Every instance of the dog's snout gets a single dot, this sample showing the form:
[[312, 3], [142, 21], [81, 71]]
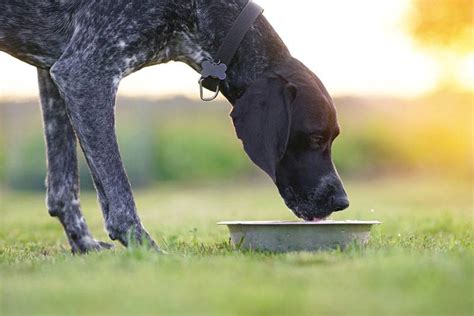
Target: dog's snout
[[340, 203]]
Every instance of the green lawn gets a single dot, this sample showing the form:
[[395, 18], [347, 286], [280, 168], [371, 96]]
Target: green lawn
[[419, 262]]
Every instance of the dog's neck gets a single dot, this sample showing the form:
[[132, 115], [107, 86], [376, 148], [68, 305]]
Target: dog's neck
[[209, 23]]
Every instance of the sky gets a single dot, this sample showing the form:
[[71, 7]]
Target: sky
[[356, 48]]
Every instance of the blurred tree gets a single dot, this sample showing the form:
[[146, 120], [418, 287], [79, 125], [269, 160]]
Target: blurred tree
[[446, 29], [443, 24]]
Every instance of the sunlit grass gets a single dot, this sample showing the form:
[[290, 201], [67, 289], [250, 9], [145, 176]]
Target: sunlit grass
[[419, 261]]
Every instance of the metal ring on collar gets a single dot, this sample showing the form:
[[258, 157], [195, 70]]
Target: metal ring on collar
[[201, 89]]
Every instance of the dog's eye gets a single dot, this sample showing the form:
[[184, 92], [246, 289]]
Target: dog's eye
[[315, 141]]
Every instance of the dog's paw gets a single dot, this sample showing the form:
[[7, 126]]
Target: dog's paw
[[88, 244], [133, 236], [142, 239], [104, 245], [153, 246]]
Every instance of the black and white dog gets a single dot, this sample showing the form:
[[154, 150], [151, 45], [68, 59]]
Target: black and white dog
[[83, 48]]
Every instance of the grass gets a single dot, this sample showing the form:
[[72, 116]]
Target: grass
[[419, 262]]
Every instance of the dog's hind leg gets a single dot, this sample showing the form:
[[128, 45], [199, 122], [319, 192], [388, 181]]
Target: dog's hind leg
[[63, 179]]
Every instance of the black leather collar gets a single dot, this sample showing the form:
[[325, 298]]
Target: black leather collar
[[214, 71]]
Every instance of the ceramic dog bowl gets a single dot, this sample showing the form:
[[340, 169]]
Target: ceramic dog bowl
[[281, 236]]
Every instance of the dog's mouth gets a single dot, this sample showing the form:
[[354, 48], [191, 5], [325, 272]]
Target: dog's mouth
[[318, 219], [306, 211], [311, 211]]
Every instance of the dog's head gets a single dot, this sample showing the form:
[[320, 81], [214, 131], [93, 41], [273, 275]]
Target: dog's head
[[287, 123]]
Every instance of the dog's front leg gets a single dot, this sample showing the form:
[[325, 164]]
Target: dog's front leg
[[89, 91], [63, 179]]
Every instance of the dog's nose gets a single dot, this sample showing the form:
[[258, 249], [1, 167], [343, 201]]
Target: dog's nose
[[340, 203]]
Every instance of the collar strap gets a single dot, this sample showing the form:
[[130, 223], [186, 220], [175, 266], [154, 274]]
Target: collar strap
[[214, 71]]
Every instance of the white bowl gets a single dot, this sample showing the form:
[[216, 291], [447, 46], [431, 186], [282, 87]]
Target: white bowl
[[281, 236]]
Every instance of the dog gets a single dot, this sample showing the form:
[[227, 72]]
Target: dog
[[82, 49]]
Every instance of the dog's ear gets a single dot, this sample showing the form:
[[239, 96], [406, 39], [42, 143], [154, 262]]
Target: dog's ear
[[262, 120]]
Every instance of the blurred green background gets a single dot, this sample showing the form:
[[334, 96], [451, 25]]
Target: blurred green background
[[182, 140]]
